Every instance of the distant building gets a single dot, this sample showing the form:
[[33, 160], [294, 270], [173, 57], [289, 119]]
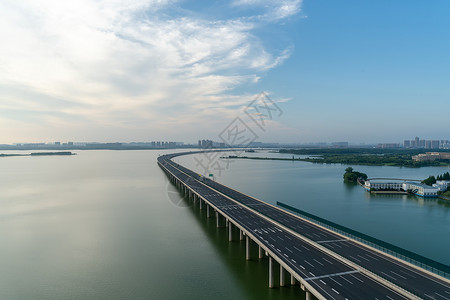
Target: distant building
[[431, 156], [388, 145]]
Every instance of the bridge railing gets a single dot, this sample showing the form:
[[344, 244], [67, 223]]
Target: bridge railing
[[411, 257]]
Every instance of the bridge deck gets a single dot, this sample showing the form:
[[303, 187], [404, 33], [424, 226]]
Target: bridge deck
[[296, 243]]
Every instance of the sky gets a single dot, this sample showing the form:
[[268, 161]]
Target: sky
[[142, 70]]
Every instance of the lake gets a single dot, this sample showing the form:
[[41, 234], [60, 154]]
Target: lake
[[108, 225]]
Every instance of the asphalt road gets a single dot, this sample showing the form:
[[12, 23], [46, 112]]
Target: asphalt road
[[333, 278], [409, 278]]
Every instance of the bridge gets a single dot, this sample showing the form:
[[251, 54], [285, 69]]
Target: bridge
[[324, 263]]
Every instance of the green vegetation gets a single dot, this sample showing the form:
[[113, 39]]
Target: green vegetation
[[445, 176], [352, 176], [364, 156], [432, 180]]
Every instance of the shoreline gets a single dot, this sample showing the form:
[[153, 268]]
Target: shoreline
[[318, 161]]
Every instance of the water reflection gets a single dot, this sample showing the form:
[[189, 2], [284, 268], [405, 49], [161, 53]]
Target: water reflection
[[410, 198]]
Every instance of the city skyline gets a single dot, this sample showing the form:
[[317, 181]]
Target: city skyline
[[139, 70]]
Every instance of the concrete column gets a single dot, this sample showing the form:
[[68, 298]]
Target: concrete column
[[230, 232], [201, 203], [282, 279], [308, 295], [241, 235], [270, 273], [217, 219], [247, 247], [226, 223], [260, 252], [293, 280], [207, 211]]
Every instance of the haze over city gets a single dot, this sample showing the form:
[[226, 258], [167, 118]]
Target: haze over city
[[155, 70]]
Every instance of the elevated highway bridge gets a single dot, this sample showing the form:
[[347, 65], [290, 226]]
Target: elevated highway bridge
[[324, 263]]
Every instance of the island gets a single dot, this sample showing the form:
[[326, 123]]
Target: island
[[351, 176], [38, 154]]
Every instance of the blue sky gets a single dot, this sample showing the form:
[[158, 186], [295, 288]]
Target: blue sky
[[140, 70]]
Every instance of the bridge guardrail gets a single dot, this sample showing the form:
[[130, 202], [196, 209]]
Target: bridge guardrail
[[411, 257]]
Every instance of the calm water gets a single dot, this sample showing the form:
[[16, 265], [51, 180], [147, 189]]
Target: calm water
[[107, 225], [421, 226], [100, 225]]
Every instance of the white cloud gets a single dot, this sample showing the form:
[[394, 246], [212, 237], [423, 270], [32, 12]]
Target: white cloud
[[122, 64], [272, 10]]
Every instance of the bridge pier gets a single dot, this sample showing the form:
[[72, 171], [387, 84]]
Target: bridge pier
[[201, 203], [282, 278], [241, 235], [271, 285], [230, 232], [247, 247], [226, 222], [260, 252], [293, 280], [308, 295], [208, 215], [217, 219]]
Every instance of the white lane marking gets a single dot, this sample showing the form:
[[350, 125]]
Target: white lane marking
[[302, 267], [329, 295], [309, 263], [322, 281], [398, 275], [335, 291], [346, 280], [441, 295], [357, 278], [408, 274], [354, 258], [327, 260], [372, 257], [297, 249], [289, 250], [335, 281], [389, 276], [401, 265], [389, 297], [306, 248], [312, 274], [363, 257], [317, 261]]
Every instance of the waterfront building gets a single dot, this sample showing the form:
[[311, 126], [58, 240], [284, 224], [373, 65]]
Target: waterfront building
[[421, 189], [442, 185], [418, 189], [379, 186]]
